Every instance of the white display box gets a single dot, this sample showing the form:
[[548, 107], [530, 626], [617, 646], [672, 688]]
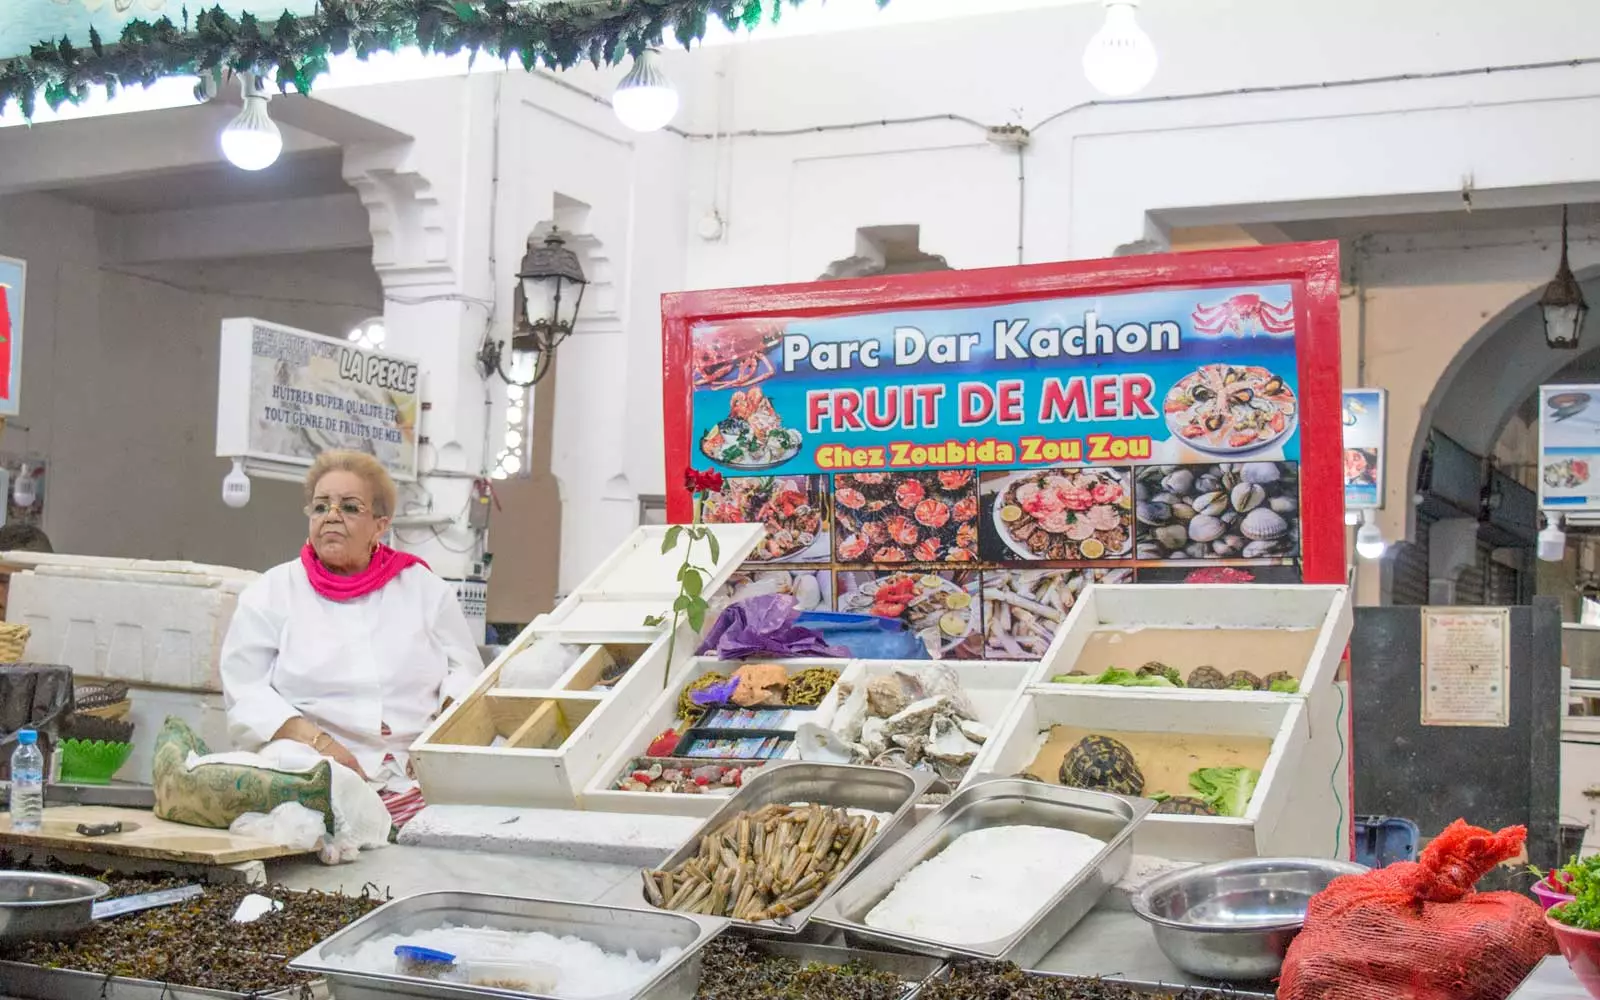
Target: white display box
[[555, 738], [1262, 628], [1207, 724], [994, 688]]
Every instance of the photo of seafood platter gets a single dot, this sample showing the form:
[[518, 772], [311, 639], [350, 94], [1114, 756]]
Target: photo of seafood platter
[[1057, 515], [942, 608], [921, 517], [1248, 510], [793, 509], [1229, 410], [1023, 608], [752, 436]]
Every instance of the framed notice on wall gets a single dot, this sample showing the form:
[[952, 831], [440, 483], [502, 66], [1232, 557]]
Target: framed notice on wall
[[13, 289], [967, 450], [1466, 667], [287, 395], [1569, 447]]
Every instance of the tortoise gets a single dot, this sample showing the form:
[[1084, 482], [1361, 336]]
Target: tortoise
[[1025, 776], [1155, 668], [1185, 805], [1244, 680], [1282, 675], [1102, 764], [1207, 677]]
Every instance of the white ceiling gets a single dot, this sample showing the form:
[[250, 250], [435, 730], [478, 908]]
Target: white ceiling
[[305, 175]]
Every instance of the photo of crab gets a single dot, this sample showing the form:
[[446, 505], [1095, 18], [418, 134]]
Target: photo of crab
[[1022, 608], [1248, 510], [1284, 573], [812, 589], [793, 508], [942, 608], [1056, 515], [896, 517], [752, 436]]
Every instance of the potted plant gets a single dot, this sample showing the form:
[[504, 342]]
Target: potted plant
[[1576, 920]]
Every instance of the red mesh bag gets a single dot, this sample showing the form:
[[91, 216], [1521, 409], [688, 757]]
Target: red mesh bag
[[1419, 930]]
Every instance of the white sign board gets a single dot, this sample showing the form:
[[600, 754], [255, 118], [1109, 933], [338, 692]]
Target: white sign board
[[286, 395], [1466, 667], [1569, 447]]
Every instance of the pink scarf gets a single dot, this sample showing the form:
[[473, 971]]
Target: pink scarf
[[386, 564]]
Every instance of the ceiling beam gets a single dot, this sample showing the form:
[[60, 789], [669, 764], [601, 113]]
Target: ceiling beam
[[250, 229]]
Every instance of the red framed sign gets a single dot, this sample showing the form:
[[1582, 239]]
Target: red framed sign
[[1010, 434]]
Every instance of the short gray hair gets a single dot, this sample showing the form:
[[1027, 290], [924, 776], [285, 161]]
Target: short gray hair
[[385, 495]]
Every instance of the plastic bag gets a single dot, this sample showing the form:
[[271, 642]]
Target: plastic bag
[[290, 825], [539, 665], [1419, 930], [866, 637], [764, 626]]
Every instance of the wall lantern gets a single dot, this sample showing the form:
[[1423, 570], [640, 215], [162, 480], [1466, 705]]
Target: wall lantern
[[549, 292], [1562, 302]]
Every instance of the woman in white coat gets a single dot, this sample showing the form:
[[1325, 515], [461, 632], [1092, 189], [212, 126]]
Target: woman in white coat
[[353, 648]]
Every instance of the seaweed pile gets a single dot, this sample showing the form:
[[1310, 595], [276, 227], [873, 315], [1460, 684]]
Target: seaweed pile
[[195, 942], [738, 970], [1004, 981]]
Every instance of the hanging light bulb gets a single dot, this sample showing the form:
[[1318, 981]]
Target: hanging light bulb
[[252, 140], [1369, 540], [1552, 539], [236, 486], [24, 492], [1121, 58], [645, 99]]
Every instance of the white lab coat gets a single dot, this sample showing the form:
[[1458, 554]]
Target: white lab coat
[[391, 657]]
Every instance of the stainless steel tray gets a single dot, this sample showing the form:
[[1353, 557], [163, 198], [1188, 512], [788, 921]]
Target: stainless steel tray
[[842, 786], [998, 802], [1160, 989], [613, 929], [34, 982]]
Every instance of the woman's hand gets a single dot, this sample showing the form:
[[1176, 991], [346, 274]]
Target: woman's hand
[[303, 730], [330, 747]]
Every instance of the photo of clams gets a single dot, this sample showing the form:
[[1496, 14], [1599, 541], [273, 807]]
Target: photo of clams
[[1246, 510], [1056, 515], [897, 517]]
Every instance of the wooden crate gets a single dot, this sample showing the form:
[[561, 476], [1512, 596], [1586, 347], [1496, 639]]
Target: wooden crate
[[1172, 736], [1302, 630], [556, 738]]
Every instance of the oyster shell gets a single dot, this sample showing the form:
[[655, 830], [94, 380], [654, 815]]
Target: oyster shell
[[1263, 524], [947, 744], [873, 739], [977, 732], [916, 718], [885, 696]]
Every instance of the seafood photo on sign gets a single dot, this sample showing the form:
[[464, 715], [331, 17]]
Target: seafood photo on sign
[[794, 510], [1227, 410], [1022, 608], [896, 517], [812, 590], [1247, 510], [941, 608], [1057, 515], [752, 436]]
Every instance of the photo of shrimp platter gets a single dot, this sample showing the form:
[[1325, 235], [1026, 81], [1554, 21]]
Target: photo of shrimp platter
[[794, 510], [942, 608], [897, 517], [1057, 515]]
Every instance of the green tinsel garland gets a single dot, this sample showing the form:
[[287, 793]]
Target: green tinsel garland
[[556, 34]]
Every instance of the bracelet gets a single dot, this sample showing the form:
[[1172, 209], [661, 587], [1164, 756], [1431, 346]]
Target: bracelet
[[316, 740]]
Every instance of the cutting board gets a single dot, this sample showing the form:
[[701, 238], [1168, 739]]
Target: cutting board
[[154, 839]]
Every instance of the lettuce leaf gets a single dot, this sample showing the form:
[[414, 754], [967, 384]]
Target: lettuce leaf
[[1227, 789], [1116, 677]]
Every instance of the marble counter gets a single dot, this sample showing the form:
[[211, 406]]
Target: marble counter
[[1552, 980]]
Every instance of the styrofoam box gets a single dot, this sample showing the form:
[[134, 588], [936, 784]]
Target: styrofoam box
[[1262, 628], [1136, 710], [993, 688], [148, 623]]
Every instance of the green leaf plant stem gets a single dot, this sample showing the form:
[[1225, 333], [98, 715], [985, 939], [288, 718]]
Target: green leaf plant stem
[[554, 34], [691, 601]]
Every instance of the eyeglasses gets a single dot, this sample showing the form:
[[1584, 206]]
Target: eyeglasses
[[348, 507]]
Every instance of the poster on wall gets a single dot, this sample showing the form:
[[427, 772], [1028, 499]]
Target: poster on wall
[[287, 395], [968, 451], [1569, 447], [1364, 417], [13, 281]]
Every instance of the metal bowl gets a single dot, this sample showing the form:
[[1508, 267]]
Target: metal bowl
[[41, 904], [1233, 920]]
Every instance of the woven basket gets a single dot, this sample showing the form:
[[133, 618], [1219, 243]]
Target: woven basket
[[113, 711], [13, 642]]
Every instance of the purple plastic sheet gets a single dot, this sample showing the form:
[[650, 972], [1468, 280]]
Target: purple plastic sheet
[[764, 626]]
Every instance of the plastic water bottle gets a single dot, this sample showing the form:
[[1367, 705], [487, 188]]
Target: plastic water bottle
[[27, 783]]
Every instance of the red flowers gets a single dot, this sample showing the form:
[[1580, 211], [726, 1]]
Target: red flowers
[[696, 481]]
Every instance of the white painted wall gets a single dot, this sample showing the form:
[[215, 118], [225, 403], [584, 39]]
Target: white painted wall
[[120, 387]]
